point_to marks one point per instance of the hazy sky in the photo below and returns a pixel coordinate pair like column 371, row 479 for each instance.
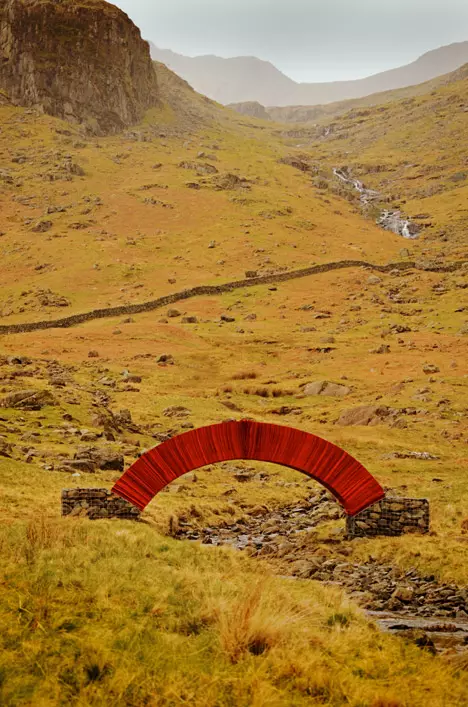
column 310, row 40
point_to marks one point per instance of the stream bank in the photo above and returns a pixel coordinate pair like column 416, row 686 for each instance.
column 417, row 606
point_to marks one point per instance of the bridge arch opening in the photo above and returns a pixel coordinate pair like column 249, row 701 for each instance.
column 345, row 477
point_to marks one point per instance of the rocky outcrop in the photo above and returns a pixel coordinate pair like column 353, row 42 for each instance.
column 80, row 61
column 253, row 109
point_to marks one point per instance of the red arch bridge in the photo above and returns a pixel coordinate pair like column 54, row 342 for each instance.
column 352, row 485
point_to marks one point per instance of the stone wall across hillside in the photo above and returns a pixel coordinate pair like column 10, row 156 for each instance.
column 97, row 504
column 130, row 309
column 391, row 516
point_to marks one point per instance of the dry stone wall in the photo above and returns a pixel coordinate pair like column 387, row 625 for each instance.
column 275, row 278
column 97, row 504
column 391, row 516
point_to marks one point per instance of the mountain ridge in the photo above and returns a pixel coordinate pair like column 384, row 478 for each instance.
column 242, row 79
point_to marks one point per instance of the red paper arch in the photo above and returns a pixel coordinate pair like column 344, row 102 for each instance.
column 346, row 478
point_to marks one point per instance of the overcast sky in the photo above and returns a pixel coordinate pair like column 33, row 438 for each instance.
column 309, row 40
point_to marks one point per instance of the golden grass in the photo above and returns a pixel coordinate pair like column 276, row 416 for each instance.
column 111, row 613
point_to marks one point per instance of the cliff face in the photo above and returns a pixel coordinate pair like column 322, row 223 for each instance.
column 81, row 60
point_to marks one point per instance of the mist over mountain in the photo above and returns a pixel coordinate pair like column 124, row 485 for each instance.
column 246, row 78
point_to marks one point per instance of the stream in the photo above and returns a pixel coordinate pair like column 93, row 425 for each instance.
column 389, row 220
column 432, row 614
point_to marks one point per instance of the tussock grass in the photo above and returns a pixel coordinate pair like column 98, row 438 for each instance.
column 110, row 613
column 244, row 375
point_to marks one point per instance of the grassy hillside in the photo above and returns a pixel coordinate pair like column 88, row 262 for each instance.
column 413, row 151
column 119, row 613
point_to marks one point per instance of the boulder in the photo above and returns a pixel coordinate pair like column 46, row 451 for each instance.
column 176, row 411
column 326, row 388
column 27, row 399
column 6, row 449
column 366, row 415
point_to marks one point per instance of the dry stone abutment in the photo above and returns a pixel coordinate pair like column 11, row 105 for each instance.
column 96, row 504
column 392, row 516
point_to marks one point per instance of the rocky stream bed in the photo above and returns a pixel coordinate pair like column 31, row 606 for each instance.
column 389, row 220
column 416, row 606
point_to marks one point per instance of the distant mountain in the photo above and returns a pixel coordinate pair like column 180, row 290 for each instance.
column 248, row 79
column 312, row 114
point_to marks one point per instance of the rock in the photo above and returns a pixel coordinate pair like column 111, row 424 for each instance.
column 250, row 317
column 326, row 388
column 6, row 448
column 230, row 405
column 42, row 226
column 429, row 368
column 124, row 83
column 382, row 349
column 172, row 313
column 366, row 415
column 403, row 593
column 93, row 354
column 189, row 320
column 251, row 273
column 165, row 358
column 74, row 465
column 464, row 330
column 18, row 360
column 176, row 411
column 227, row 318
column 212, row 244
column 131, row 377
column 419, row 638
column 229, row 181
column 28, row 399
column 105, row 459
column 373, row 280
column 243, row 476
